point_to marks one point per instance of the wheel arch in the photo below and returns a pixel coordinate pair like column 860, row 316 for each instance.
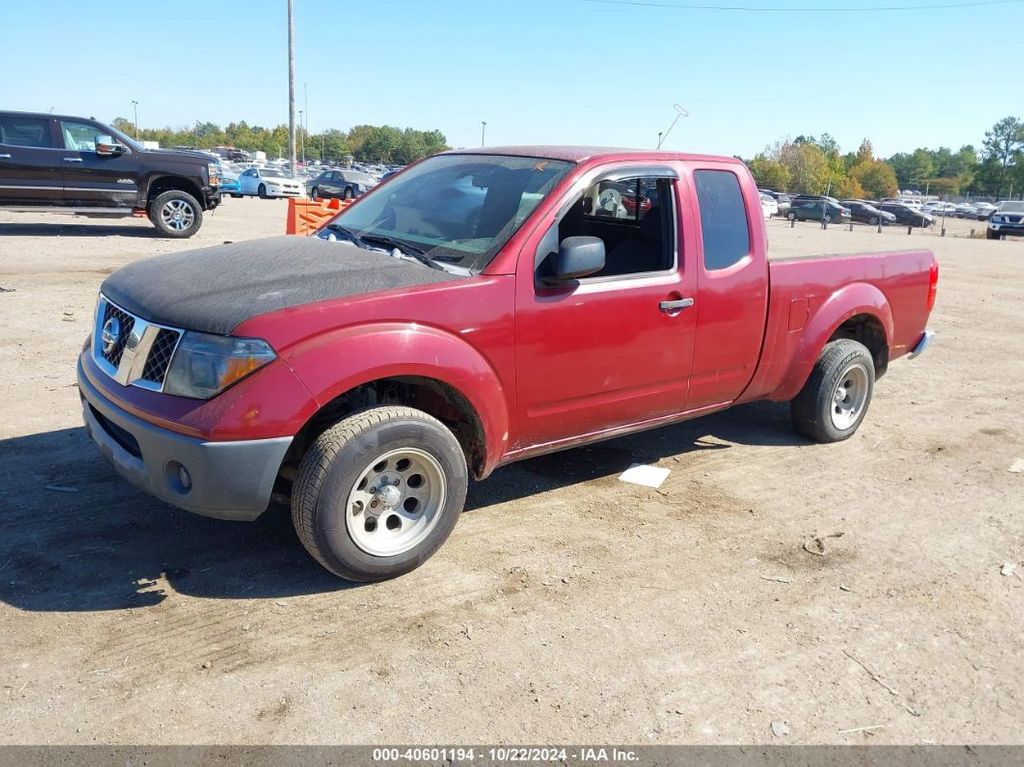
column 426, row 368
column 859, row 311
column 160, row 184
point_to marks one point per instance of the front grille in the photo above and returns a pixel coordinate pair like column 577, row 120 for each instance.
column 125, row 323
column 128, row 336
column 160, row 355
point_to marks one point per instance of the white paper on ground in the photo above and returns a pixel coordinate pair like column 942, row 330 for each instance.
column 648, row 476
column 1018, row 466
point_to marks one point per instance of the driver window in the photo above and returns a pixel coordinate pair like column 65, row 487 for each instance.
column 633, row 217
column 79, row 137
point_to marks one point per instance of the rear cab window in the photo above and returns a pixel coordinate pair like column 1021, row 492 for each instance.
column 723, row 218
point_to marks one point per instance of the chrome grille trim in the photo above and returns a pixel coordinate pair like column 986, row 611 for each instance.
column 143, row 354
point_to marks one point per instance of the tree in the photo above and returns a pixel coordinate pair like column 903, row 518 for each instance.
column 876, row 178
column 769, row 173
column 1002, row 147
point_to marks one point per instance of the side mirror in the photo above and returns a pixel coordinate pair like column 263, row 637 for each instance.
column 108, row 147
column 577, row 257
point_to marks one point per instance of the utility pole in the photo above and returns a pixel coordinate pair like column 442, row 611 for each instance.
column 135, row 106
column 483, row 131
column 291, row 84
column 302, row 139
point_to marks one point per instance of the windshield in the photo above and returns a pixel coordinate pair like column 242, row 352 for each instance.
column 271, row 173
column 459, row 208
column 1012, row 207
column 354, row 176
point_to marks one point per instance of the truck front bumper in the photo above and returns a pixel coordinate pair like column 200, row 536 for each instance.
column 226, row 480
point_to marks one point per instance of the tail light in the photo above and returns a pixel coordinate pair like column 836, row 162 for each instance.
column 933, row 283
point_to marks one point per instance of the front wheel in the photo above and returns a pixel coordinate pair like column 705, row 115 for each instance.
column 176, row 214
column 379, row 492
column 873, row 221
column 314, row 194
column 349, row 193
column 833, row 402
column 262, row 191
column 791, row 216
column 990, row 235
column 828, row 219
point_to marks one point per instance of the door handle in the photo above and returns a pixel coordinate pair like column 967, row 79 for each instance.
column 5, row 157
column 676, row 306
column 72, row 159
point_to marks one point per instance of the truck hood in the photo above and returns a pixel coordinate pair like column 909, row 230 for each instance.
column 181, row 155
column 215, row 289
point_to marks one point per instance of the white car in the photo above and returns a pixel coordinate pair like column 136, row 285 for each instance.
column 268, row 182
column 769, row 206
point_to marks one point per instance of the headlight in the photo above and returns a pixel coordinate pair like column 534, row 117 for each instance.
column 205, row 365
column 214, row 170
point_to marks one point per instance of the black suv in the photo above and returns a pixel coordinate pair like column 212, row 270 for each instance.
column 74, row 164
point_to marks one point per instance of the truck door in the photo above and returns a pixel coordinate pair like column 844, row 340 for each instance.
column 611, row 349
column 93, row 180
column 30, row 173
column 732, row 285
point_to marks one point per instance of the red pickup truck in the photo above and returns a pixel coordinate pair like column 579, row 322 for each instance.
column 478, row 308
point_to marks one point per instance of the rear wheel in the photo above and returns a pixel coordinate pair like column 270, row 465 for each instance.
column 833, row 402
column 314, row 194
column 379, row 492
column 349, row 193
column 176, row 214
column 873, row 221
column 791, row 216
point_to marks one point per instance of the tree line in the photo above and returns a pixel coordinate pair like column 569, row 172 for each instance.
column 817, row 166
column 367, row 143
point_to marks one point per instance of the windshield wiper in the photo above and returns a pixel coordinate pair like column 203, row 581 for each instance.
column 404, row 248
column 352, row 236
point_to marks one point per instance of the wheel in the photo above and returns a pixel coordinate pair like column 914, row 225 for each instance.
column 791, row 216
column 991, row 235
column 349, row 194
column 262, row 191
column 837, row 394
column 379, row 492
column 176, row 214
column 873, row 221
column 236, row 196
column 314, row 193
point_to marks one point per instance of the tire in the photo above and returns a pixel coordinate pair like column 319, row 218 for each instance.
column 176, row 214
column 990, row 235
column 844, row 369
column 236, row 196
column 314, row 193
column 791, row 216
column 828, row 219
column 349, row 194
column 262, row 191
column 331, row 503
column 873, row 221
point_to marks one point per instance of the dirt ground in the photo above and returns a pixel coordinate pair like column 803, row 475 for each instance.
column 567, row 606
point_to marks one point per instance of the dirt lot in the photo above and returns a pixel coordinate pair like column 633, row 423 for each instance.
column 567, row 606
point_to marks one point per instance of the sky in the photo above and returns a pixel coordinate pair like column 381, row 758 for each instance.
column 537, row 71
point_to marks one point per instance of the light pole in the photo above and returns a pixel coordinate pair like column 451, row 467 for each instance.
column 680, row 112
column 291, row 84
column 135, row 107
column 483, row 131
column 302, row 140
column 659, row 139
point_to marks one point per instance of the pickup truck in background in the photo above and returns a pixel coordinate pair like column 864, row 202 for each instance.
column 479, row 308
column 62, row 164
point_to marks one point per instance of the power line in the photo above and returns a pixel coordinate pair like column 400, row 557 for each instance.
column 792, row 9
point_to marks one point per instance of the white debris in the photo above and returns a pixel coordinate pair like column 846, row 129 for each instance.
column 1017, row 467
column 648, row 476
column 779, row 728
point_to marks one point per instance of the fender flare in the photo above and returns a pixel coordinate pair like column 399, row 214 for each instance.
column 849, row 301
column 336, row 362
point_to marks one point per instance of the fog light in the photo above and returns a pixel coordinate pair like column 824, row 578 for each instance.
column 178, row 477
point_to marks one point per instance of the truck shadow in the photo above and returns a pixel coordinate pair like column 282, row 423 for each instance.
column 144, row 230
column 75, row 537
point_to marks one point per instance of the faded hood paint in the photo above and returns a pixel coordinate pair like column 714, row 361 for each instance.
column 215, row 289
